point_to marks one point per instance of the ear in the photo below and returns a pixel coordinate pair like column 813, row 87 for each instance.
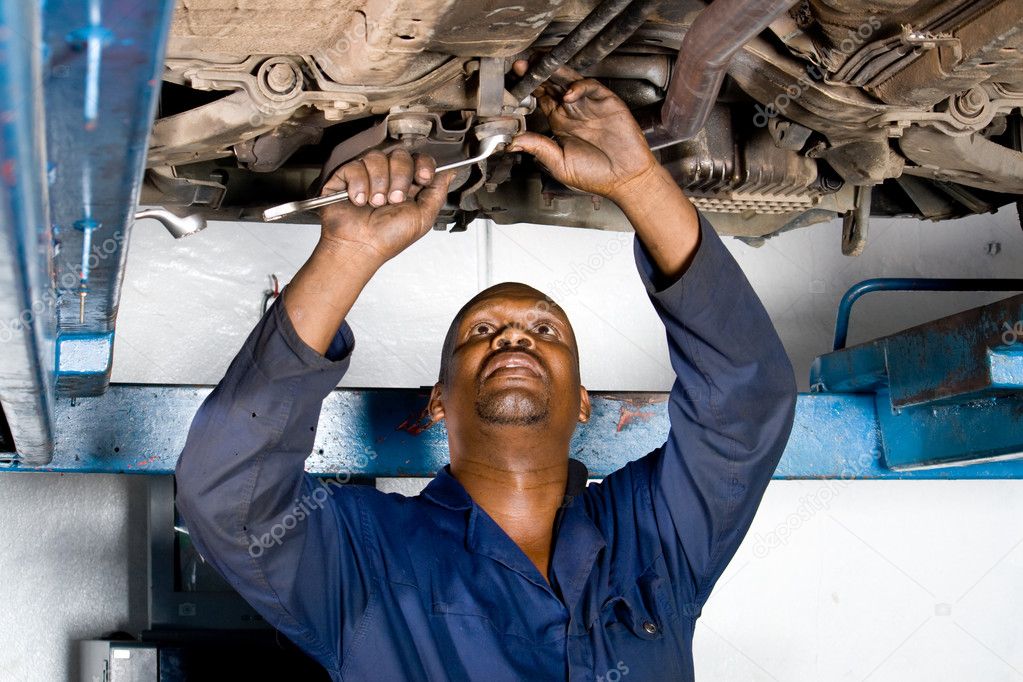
column 584, row 404
column 435, row 407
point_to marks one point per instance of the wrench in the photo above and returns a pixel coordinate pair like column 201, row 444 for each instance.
column 488, row 146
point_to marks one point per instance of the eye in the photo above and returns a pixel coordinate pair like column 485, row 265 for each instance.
column 482, row 328
column 545, row 329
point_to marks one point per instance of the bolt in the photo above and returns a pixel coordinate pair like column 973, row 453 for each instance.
column 281, row 78
column 971, row 103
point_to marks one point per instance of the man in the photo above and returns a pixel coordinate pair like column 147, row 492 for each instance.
column 507, row 566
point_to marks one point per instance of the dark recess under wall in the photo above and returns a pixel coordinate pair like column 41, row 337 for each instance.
column 6, row 440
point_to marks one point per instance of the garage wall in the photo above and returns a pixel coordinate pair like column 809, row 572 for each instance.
column 870, row 580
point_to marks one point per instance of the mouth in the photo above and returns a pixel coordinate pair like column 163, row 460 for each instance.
column 512, row 364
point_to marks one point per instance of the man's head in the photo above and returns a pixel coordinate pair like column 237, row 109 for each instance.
column 510, row 360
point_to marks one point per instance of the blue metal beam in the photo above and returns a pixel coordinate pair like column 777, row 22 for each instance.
column 141, row 428
column 26, row 247
column 103, row 74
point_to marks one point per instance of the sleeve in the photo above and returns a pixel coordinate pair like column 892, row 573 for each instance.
column 293, row 547
column 730, row 410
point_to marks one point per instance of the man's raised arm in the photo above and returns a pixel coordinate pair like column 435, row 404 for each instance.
column 732, row 404
column 294, row 548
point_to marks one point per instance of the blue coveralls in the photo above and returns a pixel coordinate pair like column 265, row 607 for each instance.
column 378, row 586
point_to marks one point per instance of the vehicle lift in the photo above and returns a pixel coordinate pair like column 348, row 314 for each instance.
column 78, row 91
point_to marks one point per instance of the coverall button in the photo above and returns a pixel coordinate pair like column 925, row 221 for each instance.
column 649, row 627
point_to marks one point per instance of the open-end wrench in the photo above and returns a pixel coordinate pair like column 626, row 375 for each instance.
column 488, row 146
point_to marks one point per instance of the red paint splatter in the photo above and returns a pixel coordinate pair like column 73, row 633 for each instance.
column 416, row 424
column 7, row 171
column 147, row 461
column 626, row 416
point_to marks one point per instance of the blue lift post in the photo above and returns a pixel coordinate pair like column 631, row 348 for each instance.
column 26, row 248
column 879, row 410
column 78, row 85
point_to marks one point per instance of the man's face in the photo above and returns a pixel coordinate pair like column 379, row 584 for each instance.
column 513, row 362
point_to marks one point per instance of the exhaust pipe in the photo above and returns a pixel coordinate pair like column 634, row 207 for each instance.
column 716, row 35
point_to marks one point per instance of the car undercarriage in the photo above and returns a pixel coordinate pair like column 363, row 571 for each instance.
column 893, row 107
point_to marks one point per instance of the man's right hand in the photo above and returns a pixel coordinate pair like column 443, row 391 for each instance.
column 393, row 200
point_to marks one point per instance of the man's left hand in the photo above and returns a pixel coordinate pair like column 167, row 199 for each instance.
column 588, row 119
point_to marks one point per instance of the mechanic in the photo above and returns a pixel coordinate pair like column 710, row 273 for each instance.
column 507, row 566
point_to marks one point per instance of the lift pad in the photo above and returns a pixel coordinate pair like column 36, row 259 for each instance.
column 946, row 392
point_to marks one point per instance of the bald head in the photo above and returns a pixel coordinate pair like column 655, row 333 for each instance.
column 540, row 305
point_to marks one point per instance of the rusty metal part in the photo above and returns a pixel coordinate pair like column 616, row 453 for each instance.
column 756, row 174
column 987, row 48
column 974, row 161
column 384, row 42
column 211, row 130
column 864, row 161
column 856, row 223
column 614, row 34
column 269, row 151
column 577, row 39
column 653, row 68
column 337, row 101
column 707, row 50
column 787, row 87
column 750, row 216
column 961, row 114
column 173, row 190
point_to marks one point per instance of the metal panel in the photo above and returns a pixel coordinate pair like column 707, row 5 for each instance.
column 105, row 60
column 26, row 311
column 947, row 392
column 972, row 354
column 141, row 428
column 983, row 430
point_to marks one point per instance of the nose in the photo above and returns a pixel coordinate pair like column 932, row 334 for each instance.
column 510, row 336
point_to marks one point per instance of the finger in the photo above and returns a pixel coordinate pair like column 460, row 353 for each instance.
column 379, row 177
column 586, row 88
column 356, row 179
column 401, row 166
column 520, row 66
column 547, row 151
column 334, row 184
column 549, row 89
column 431, row 199
column 566, row 76
column 547, row 105
column 426, row 166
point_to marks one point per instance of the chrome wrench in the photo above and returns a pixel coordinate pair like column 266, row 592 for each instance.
column 488, row 146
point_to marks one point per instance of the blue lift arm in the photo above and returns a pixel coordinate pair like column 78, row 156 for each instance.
column 141, row 428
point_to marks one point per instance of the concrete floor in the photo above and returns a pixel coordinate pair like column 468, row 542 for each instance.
column 874, row 581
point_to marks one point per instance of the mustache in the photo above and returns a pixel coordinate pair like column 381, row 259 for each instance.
column 493, row 354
